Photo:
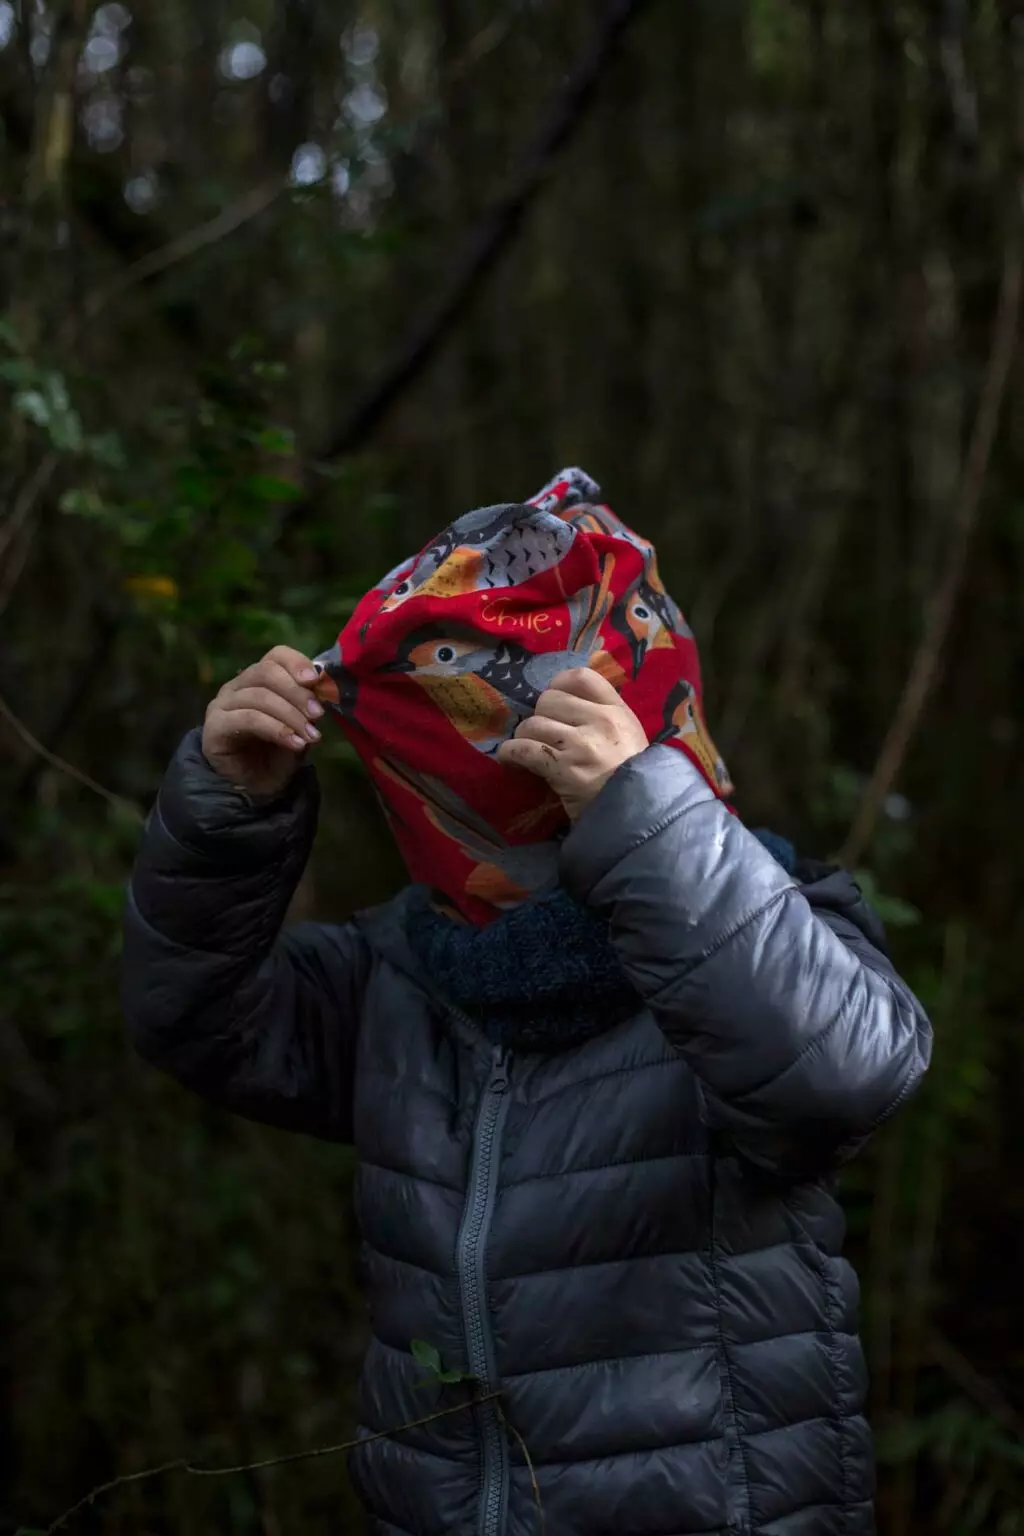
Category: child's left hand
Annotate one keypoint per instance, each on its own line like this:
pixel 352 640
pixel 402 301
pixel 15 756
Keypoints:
pixel 580 733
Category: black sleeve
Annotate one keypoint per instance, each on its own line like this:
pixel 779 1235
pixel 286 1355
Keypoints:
pixel 260 1022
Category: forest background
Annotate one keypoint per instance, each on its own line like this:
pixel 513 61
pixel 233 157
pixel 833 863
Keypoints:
pixel 284 286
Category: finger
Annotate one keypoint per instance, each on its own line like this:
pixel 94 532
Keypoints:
pixel 552 733
pixel 555 704
pixel 239 724
pixel 265 702
pixel 295 664
pixel 535 756
pixel 272 675
pixel 585 683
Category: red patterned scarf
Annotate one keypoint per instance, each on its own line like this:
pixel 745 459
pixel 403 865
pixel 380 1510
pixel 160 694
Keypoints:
pixel 451 650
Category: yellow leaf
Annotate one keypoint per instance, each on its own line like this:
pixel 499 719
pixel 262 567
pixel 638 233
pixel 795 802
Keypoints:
pixel 151 586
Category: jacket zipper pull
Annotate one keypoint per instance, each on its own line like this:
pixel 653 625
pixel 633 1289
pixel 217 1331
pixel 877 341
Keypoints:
pixel 499 1072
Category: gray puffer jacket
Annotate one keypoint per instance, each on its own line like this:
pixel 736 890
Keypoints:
pixel 632 1241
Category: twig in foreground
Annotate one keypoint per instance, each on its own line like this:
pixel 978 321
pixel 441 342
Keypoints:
pixel 529 1467
pixel 183 1464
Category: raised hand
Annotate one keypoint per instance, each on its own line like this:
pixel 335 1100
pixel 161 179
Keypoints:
pixel 260 724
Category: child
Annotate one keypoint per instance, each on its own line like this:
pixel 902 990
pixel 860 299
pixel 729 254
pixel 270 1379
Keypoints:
pixel 599 1061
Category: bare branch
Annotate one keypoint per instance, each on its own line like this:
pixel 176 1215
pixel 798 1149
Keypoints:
pixel 248 207
pixel 115 1482
pixel 485 42
pixel 924 668
pixel 969 1379
pixel 17 533
pixel 25 501
pixel 529 1467
pixel 184 1465
pixel 488 243
pixel 22 1072
pixel 21 730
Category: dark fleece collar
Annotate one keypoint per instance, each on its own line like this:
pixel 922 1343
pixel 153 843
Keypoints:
pixel 542 977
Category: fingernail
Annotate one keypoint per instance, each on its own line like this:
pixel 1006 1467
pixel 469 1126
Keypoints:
pixel 308 675
pixel 297 741
pixel 315 709
pixel 312 733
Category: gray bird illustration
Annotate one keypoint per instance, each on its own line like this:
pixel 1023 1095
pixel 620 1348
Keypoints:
pixel 487 689
pixel 503 874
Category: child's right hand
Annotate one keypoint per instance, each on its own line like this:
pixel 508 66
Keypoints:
pixel 260 723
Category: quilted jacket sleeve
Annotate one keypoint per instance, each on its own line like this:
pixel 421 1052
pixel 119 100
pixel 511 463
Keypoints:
pixel 258 1021
pixel 801 1035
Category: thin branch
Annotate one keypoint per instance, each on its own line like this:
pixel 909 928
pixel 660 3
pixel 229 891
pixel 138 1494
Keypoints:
pixel 184 1465
pixel 487 244
pixel 21 1071
pixel 115 1482
pixel 26 499
pixel 22 730
pixel 485 42
pixel 248 207
pixel 529 1467
pixel 101 215
pixel 976 1386
pixel 16 565
pixel 924 668
pixel 81 682
pixel 347 1445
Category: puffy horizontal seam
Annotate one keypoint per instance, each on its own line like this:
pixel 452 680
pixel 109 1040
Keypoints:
pixel 368 1069
pixel 890 1109
pixel 812 1045
pixel 641 1450
pixel 724 938
pixel 624 1162
pixel 415 1178
pixel 249 817
pixel 589 1365
pixel 803 1509
pixel 791 1333
pixel 670 1059
pixel 814 1418
pixel 899 999
pixel 250 954
pixel 390 1436
pixel 571 1269
pixel 391 1258
pixel 661 826
pixel 783 1242
pixel 190 852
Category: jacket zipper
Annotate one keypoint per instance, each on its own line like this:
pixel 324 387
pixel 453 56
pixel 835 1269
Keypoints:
pixel 471 1266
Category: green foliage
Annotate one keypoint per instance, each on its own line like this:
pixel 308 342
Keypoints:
pixel 894 912
pixel 428 1356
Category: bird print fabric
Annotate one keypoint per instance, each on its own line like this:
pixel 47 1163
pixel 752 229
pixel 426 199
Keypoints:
pixel 444 657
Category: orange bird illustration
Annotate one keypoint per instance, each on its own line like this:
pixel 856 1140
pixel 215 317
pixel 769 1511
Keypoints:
pixel 485 688
pixel 684 721
pixel 640 617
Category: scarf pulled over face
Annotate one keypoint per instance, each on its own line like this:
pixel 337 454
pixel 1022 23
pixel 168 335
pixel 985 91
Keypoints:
pixel 442 659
